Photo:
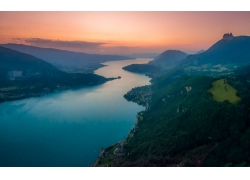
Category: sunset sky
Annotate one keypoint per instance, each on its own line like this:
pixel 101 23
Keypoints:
pixel 121 32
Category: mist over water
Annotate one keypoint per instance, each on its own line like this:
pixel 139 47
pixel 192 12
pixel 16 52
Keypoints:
pixel 69 128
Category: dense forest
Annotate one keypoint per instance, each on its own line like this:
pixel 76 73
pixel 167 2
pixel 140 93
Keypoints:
pixel 197 112
pixel 188 128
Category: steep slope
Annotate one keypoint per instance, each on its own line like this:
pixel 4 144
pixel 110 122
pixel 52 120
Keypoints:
pixel 184 126
pixel 67 60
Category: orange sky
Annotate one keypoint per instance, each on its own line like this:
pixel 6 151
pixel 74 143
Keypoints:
pixel 121 32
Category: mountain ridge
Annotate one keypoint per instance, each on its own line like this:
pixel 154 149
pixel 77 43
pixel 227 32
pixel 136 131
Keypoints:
pixel 65 60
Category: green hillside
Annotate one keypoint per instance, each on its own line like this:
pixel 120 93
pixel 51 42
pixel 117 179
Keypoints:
pixel 23 76
pixel 184 126
pixel 197 112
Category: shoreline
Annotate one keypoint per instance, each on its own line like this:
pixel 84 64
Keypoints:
pixel 130 134
pixel 126 133
pixel 41 94
pixel 138 118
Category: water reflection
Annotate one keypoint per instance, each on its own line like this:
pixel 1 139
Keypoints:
pixel 68 128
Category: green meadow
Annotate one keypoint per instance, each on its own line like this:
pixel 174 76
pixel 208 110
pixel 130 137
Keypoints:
pixel 222 91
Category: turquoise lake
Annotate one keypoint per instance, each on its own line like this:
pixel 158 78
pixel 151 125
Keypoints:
pixel 68 128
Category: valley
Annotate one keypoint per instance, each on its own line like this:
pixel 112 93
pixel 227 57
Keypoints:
pixel 194 112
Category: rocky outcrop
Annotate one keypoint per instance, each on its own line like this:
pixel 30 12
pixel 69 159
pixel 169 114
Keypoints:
pixel 228 36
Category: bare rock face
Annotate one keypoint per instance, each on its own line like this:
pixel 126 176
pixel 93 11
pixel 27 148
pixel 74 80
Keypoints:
pixel 228 36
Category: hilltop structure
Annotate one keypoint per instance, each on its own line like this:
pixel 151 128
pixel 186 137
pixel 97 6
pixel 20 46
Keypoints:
pixel 228 36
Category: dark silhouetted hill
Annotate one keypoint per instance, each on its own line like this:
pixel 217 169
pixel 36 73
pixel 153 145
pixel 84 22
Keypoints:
pixel 141 68
pixel 235 50
pixel 169 58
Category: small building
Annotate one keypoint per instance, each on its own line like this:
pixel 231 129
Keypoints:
pixel 228 36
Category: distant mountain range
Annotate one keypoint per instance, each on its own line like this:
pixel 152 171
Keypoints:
pixel 223 57
pixel 67 60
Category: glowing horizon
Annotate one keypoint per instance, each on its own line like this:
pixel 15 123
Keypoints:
pixel 121 32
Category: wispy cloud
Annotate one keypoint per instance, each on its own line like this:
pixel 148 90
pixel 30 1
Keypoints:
pixel 60 43
pixel 102 47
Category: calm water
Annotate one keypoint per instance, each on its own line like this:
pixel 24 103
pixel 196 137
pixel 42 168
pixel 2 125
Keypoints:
pixel 68 128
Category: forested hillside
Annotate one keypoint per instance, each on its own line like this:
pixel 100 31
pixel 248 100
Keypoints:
pixel 186 127
pixel 23 76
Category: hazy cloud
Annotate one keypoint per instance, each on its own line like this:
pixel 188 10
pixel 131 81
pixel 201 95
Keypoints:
pixel 60 43
pixel 101 47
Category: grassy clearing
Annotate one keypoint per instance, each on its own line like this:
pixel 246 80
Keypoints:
pixel 222 91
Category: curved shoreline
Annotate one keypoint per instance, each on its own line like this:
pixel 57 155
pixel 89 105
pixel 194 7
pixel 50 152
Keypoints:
pixel 131 132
